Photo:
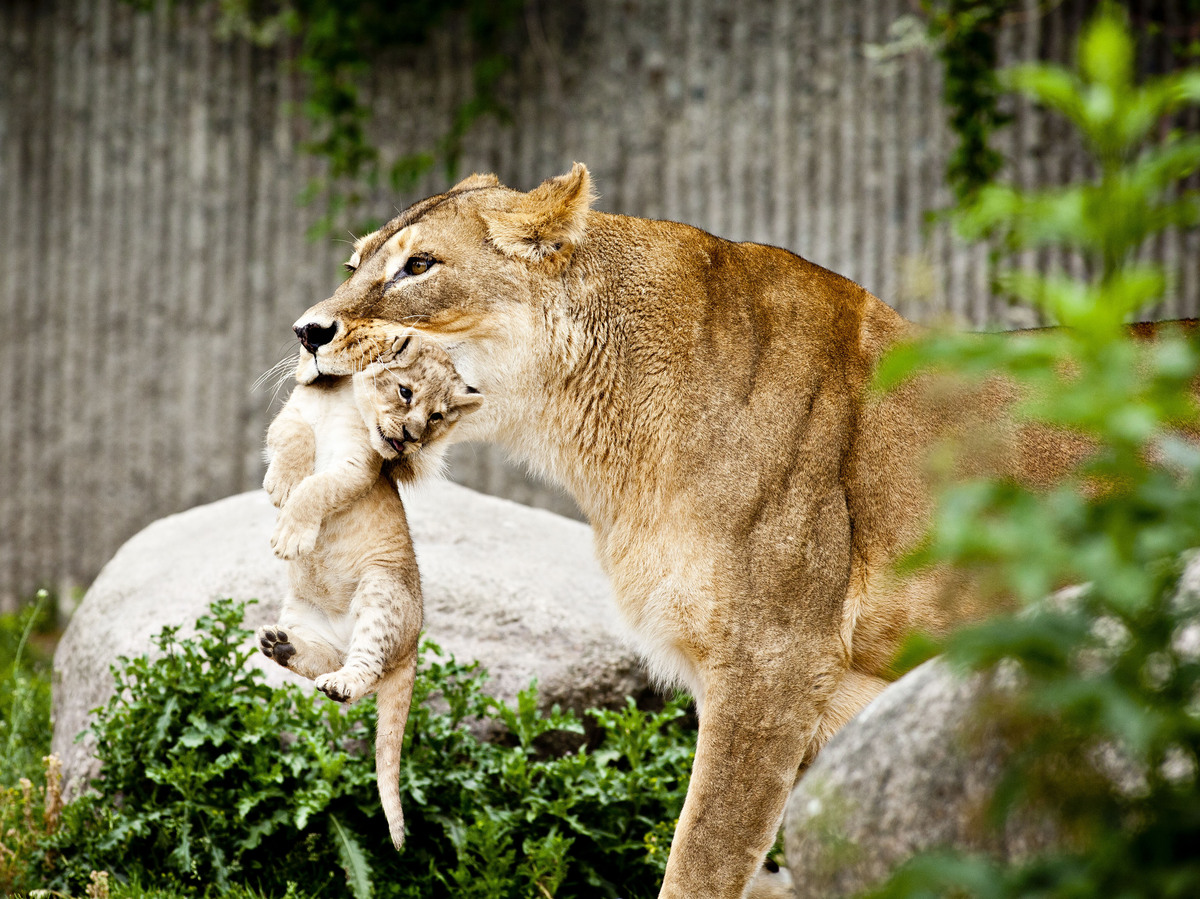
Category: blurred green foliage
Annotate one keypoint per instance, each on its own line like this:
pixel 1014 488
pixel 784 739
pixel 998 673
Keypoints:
pixel 1106 720
pixel 965 33
pixel 212 780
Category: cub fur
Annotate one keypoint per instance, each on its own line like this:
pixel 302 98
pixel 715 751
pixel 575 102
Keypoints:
pixel 707 404
pixel 353 613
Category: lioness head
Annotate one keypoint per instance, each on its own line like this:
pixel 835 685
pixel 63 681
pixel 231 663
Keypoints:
pixel 474 267
pixel 412 399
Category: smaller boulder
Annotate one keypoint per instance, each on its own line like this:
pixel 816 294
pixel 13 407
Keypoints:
pixel 517 589
pixel 912 772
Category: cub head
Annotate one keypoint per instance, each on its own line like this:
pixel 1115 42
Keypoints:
pixel 474 267
pixel 411 399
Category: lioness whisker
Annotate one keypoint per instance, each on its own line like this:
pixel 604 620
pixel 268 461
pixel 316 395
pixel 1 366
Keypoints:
pixel 270 373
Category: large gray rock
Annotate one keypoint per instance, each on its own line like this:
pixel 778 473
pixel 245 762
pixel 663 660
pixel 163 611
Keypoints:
pixel 913 771
pixel 516 588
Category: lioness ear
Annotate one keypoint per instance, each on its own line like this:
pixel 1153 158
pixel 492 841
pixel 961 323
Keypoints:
pixel 475 181
pixel 548 219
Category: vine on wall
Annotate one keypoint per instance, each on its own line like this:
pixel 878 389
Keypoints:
pixel 334 45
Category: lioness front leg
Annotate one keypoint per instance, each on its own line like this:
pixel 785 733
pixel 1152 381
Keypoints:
pixel 754 734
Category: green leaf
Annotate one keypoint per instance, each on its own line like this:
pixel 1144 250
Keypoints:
pixel 354 860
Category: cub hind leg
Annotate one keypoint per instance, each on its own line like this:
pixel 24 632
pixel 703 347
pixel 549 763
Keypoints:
pixel 387 613
pixel 304 641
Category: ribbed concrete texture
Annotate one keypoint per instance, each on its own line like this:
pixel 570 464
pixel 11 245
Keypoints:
pixel 152 255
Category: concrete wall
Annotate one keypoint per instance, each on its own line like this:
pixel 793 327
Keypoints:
pixel 152 255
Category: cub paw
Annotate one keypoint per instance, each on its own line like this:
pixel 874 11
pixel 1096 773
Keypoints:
pixel 294 538
pixel 340 688
pixel 274 643
pixel 278 488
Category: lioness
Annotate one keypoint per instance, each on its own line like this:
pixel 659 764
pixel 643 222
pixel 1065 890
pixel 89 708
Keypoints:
pixel 705 403
pixel 353 613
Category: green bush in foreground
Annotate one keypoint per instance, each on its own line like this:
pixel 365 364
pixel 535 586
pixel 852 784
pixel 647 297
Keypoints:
pixel 211 778
pixel 1106 723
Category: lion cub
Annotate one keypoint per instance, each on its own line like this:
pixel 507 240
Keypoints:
pixel 353 612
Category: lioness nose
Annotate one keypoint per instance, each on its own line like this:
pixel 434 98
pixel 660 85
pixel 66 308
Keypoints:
pixel 313 335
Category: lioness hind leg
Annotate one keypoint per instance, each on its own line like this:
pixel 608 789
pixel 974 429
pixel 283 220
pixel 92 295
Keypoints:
pixel 853 694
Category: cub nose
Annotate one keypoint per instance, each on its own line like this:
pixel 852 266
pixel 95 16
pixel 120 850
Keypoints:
pixel 312 336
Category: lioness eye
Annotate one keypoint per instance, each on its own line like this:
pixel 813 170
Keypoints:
pixel 436 416
pixel 418 265
pixel 405 393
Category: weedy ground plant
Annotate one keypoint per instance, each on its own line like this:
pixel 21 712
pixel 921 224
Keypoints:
pixel 30 798
pixel 212 780
pixel 1117 668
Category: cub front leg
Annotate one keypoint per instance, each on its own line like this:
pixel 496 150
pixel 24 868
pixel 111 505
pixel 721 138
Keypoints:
pixel 291 451
pixel 318 497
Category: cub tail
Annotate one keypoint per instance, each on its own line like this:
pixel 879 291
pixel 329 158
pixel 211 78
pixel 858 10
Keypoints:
pixel 393 697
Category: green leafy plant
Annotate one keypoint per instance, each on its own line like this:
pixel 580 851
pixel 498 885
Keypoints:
pixel 24 692
pixel 1105 724
pixel 211 778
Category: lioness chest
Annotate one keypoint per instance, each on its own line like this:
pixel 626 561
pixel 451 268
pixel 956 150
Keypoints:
pixel 337 425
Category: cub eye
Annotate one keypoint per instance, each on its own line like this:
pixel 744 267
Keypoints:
pixel 418 265
pixel 405 393
pixel 436 416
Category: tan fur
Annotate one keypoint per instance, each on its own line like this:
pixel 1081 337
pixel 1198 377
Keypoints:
pixel 707 404
pixel 353 613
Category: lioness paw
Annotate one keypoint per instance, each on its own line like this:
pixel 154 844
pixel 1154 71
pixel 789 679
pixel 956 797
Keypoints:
pixel 342 688
pixel 294 538
pixel 274 643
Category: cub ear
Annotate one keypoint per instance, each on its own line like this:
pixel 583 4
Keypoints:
pixel 404 350
pixel 468 402
pixel 471 182
pixel 371 371
pixel 550 218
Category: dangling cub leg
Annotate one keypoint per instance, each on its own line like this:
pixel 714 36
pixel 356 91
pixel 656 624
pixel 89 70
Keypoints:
pixel 387 614
pixel 304 641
